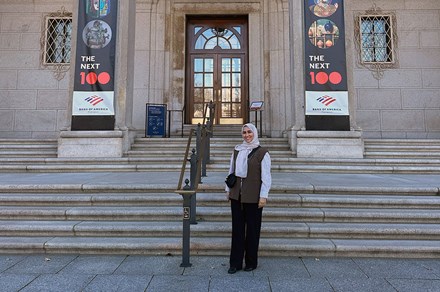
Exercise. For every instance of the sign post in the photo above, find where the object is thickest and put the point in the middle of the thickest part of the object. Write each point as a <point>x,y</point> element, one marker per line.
<point>257,106</point>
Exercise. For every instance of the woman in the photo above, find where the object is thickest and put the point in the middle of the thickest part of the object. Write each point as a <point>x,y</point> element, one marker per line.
<point>251,164</point>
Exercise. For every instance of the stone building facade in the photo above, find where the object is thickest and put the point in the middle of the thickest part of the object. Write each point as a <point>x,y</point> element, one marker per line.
<point>152,63</point>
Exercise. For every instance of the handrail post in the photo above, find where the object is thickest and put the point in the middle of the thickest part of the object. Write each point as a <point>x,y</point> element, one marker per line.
<point>199,148</point>
<point>193,175</point>
<point>205,146</point>
<point>193,169</point>
<point>187,194</point>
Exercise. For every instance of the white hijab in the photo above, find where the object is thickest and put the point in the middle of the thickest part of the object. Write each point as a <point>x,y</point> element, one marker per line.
<point>244,149</point>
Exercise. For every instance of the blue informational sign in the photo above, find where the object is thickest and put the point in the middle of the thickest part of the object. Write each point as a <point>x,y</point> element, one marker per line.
<point>155,122</point>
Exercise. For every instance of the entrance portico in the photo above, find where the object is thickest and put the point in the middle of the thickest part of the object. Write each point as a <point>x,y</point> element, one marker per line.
<point>154,64</point>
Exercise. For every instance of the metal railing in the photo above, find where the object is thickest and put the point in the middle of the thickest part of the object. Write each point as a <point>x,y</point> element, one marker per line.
<point>199,158</point>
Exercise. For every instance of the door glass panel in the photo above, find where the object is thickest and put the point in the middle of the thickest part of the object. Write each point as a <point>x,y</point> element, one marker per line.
<point>226,65</point>
<point>198,110</point>
<point>236,64</point>
<point>198,65</point>
<point>209,80</point>
<point>226,110</point>
<point>198,95</point>
<point>209,65</point>
<point>226,80</point>
<point>198,80</point>
<point>209,95</point>
<point>226,95</point>
<point>236,109</point>
<point>236,95</point>
<point>236,79</point>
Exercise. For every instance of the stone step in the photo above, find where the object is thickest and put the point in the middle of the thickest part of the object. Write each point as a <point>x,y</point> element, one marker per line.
<point>40,160</point>
<point>221,246</point>
<point>123,213</point>
<point>372,141</point>
<point>403,148</point>
<point>219,158</point>
<point>28,148</point>
<point>220,229</point>
<point>174,166</point>
<point>224,155</point>
<point>218,199</point>
<point>402,154</point>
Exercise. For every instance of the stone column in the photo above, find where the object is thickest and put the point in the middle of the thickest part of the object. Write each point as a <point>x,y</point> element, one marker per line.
<point>297,69</point>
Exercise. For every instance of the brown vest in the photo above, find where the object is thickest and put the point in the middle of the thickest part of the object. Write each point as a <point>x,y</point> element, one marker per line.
<point>247,190</point>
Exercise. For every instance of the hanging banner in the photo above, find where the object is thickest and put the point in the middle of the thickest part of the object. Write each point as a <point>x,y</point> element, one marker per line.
<point>93,92</point>
<point>325,66</point>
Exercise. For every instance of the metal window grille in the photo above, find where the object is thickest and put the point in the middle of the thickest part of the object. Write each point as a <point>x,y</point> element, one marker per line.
<point>56,42</point>
<point>376,40</point>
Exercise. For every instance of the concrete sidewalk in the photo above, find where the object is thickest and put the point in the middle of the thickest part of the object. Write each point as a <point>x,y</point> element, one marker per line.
<point>163,273</point>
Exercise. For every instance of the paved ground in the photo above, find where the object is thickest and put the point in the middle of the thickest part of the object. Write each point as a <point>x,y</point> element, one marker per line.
<point>50,272</point>
<point>149,273</point>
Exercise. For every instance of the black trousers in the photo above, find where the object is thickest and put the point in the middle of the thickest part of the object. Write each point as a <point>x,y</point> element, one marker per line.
<point>246,227</point>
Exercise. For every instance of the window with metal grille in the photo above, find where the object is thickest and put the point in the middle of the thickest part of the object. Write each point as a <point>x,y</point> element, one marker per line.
<point>57,43</point>
<point>376,38</point>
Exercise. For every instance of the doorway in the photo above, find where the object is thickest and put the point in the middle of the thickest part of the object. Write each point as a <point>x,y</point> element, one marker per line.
<point>217,69</point>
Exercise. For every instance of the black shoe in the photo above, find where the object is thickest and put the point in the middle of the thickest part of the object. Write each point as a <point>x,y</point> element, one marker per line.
<point>249,268</point>
<point>233,270</point>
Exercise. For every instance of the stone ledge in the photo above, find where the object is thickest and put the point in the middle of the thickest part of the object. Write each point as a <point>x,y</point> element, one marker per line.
<point>91,134</point>
<point>329,144</point>
<point>90,144</point>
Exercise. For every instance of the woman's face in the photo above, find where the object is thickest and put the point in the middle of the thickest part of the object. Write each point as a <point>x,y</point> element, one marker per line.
<point>247,134</point>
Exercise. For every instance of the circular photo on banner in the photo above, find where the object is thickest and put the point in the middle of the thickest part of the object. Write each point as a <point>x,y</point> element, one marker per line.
<point>323,33</point>
<point>323,8</point>
<point>97,34</point>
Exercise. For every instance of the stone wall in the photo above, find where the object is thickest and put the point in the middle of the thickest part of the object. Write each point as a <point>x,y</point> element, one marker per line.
<point>32,102</point>
<point>405,103</point>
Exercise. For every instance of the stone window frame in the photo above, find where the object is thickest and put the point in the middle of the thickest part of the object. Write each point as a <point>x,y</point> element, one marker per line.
<point>53,42</point>
<point>377,67</point>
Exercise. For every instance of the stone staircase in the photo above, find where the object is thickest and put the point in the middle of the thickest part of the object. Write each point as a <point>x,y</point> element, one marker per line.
<point>166,154</point>
<point>299,221</point>
<point>147,219</point>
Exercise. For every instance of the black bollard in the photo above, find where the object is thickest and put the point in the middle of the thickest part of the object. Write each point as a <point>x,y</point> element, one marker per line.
<point>187,194</point>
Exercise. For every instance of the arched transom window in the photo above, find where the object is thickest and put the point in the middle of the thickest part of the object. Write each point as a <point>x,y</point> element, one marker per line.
<point>217,38</point>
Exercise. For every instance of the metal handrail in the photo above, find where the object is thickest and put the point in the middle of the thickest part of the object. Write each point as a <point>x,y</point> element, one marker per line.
<point>205,131</point>
<point>185,159</point>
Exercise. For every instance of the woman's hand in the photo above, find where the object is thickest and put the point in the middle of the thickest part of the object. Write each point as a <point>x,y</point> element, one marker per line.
<point>262,202</point>
<point>227,196</point>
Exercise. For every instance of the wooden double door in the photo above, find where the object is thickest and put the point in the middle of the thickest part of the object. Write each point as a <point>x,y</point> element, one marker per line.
<point>217,69</point>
